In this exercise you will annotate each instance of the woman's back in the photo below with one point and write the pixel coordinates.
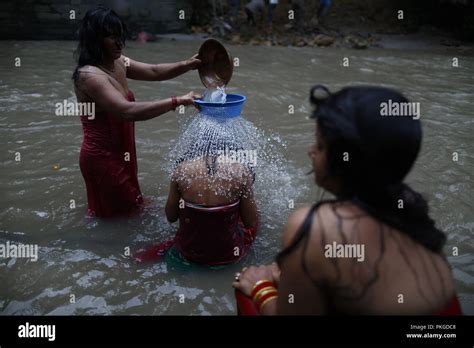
(217, 213)
(224, 186)
(368, 267)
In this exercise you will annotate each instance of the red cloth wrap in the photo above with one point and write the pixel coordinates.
(108, 163)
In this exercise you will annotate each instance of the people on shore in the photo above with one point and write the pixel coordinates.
(108, 159)
(254, 11)
(372, 249)
(272, 5)
(299, 10)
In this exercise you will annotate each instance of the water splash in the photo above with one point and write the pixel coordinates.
(226, 151)
(215, 95)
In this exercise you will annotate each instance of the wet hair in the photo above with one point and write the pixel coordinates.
(381, 150)
(209, 145)
(97, 24)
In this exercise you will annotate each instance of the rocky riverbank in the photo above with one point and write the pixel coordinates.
(349, 23)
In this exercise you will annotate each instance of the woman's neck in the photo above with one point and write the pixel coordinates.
(108, 64)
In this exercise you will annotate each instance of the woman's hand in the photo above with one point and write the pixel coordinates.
(249, 276)
(188, 99)
(192, 63)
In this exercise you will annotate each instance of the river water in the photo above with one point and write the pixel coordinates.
(85, 258)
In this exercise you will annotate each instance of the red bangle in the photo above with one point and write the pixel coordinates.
(174, 102)
(265, 299)
(259, 286)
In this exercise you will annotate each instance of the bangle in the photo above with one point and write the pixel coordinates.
(264, 302)
(262, 293)
(261, 284)
(174, 102)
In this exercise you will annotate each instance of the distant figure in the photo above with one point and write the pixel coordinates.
(323, 9)
(271, 7)
(298, 8)
(253, 9)
(234, 8)
(143, 36)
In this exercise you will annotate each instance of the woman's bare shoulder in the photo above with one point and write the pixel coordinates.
(87, 71)
(326, 218)
(296, 219)
(91, 77)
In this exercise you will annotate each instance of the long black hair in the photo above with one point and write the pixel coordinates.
(370, 155)
(98, 23)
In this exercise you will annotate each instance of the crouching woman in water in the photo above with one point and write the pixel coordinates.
(373, 249)
(213, 199)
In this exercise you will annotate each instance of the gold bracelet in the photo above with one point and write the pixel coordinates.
(265, 293)
(266, 301)
(261, 292)
(263, 283)
(260, 282)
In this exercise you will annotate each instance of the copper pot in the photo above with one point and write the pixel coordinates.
(216, 64)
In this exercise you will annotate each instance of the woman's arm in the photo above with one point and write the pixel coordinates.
(172, 204)
(297, 295)
(158, 72)
(251, 275)
(104, 94)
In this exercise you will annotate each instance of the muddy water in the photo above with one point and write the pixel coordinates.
(85, 258)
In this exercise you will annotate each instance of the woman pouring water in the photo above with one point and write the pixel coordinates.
(108, 159)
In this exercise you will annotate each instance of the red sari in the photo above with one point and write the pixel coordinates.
(213, 235)
(108, 163)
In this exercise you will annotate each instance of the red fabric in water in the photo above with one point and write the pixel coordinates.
(154, 253)
(111, 181)
(210, 236)
(245, 305)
